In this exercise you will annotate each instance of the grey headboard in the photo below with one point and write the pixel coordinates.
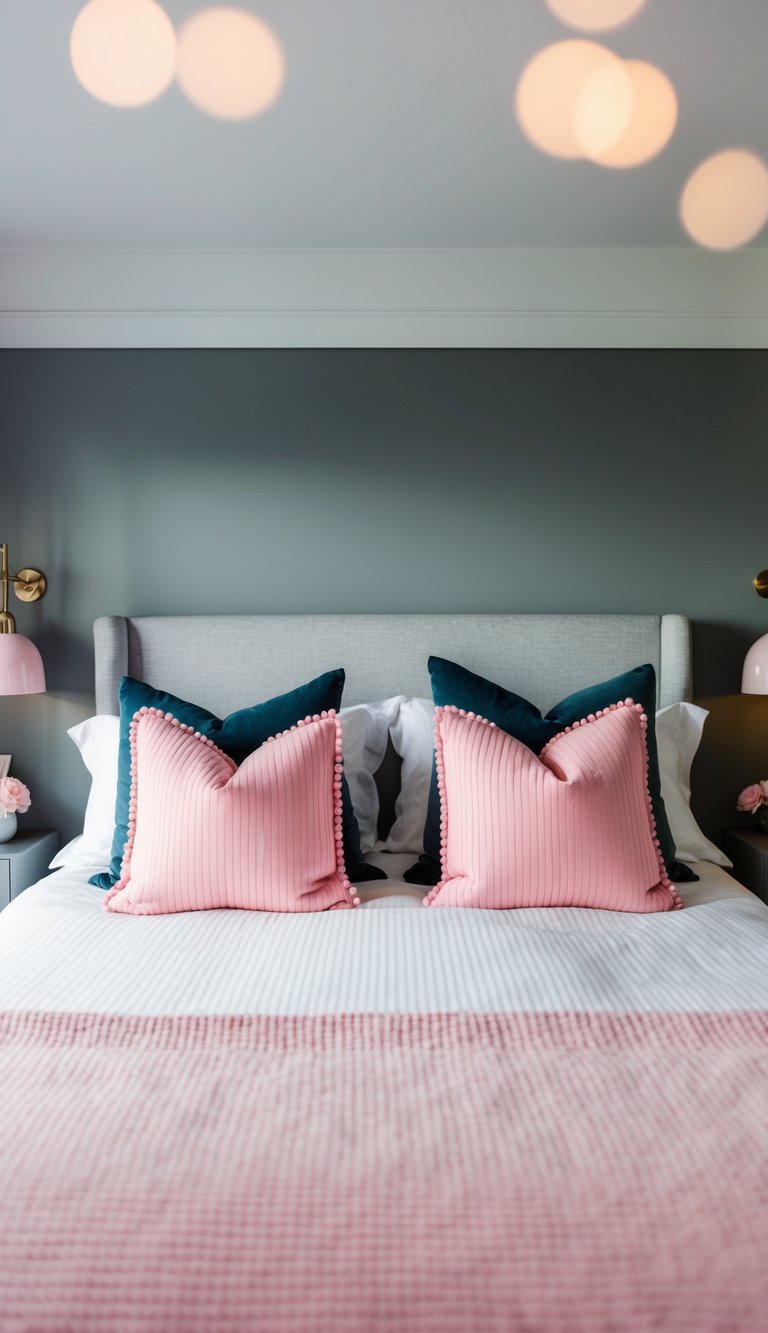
(229, 662)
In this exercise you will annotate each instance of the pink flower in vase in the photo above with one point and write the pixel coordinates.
(14, 796)
(753, 797)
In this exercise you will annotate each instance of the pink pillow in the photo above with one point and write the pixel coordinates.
(572, 827)
(204, 833)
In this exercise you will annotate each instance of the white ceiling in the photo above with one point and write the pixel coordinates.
(394, 129)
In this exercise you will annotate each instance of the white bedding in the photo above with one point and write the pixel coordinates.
(60, 951)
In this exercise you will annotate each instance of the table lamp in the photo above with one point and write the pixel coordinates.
(21, 666)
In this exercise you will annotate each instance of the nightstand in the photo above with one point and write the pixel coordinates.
(23, 861)
(748, 849)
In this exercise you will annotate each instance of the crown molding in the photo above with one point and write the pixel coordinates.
(383, 298)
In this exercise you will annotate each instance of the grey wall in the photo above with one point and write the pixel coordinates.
(198, 481)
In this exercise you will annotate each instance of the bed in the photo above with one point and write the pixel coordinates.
(389, 1118)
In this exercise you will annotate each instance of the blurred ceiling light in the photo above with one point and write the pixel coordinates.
(725, 201)
(650, 125)
(229, 63)
(571, 94)
(123, 51)
(595, 15)
(603, 108)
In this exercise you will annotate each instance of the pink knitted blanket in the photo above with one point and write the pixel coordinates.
(431, 1174)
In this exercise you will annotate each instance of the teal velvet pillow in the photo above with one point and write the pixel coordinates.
(453, 684)
(237, 735)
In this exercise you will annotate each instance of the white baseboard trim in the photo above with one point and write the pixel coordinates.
(383, 298)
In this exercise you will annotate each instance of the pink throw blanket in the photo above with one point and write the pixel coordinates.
(430, 1174)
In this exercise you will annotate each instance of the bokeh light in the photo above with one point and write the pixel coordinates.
(725, 201)
(595, 15)
(123, 51)
(572, 93)
(229, 63)
(651, 122)
(603, 108)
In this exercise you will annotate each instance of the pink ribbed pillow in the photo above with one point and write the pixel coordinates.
(204, 833)
(572, 827)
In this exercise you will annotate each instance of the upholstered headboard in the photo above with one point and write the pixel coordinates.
(228, 662)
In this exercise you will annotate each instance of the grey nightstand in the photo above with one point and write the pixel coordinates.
(748, 849)
(24, 860)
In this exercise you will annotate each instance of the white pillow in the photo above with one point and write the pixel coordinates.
(413, 737)
(97, 739)
(366, 731)
(364, 742)
(678, 735)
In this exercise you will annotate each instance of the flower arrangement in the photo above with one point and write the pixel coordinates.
(14, 796)
(753, 797)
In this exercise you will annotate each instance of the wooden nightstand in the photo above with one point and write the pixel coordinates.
(23, 861)
(748, 849)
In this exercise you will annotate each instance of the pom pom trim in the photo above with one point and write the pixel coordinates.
(664, 881)
(352, 900)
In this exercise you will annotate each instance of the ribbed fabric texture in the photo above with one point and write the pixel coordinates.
(572, 827)
(59, 950)
(204, 833)
(393, 1174)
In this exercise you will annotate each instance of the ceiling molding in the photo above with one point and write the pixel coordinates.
(383, 298)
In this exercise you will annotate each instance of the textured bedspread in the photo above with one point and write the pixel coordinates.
(60, 950)
(519, 1172)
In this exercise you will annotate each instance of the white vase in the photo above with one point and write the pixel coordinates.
(7, 826)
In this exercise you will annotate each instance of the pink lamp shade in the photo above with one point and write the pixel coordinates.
(754, 678)
(21, 666)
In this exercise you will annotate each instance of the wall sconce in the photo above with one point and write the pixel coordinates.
(21, 666)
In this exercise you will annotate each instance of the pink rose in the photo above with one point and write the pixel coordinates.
(14, 796)
(751, 798)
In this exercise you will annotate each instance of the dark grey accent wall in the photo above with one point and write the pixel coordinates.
(148, 482)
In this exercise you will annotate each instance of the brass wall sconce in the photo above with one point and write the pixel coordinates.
(29, 586)
(760, 583)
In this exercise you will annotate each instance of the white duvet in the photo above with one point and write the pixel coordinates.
(59, 950)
